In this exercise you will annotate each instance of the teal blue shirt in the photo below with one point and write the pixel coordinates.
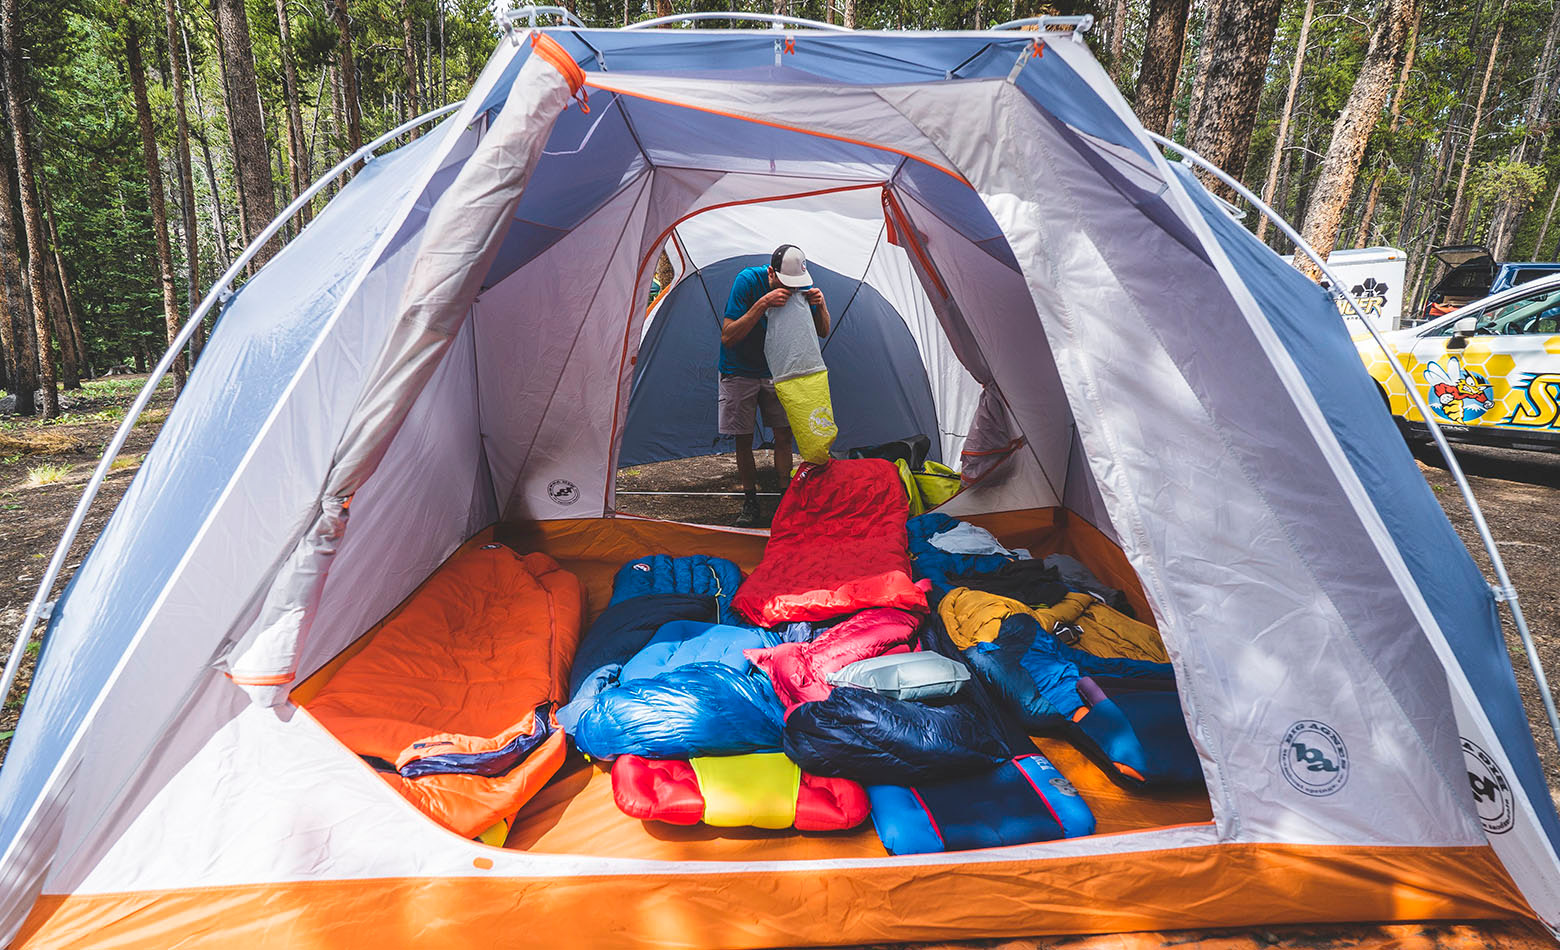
(746, 356)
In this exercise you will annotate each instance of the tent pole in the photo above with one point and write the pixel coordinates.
(1502, 589)
(777, 20)
(40, 608)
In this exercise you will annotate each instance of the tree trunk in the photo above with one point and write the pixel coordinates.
(143, 114)
(1458, 219)
(1161, 62)
(1238, 40)
(1199, 78)
(294, 114)
(1397, 113)
(1352, 132)
(20, 342)
(1118, 30)
(408, 64)
(349, 87)
(32, 222)
(218, 215)
(242, 96)
(173, 23)
(1282, 138)
(1504, 225)
(850, 14)
(69, 322)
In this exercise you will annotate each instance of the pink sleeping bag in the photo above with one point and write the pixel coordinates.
(798, 670)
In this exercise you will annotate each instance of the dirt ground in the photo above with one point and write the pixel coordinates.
(43, 468)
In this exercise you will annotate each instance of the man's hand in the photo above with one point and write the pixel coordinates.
(814, 297)
(775, 298)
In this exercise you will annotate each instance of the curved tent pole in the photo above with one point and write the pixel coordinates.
(1503, 589)
(1077, 24)
(219, 293)
(509, 18)
(777, 19)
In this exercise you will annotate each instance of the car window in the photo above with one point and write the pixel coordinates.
(1523, 276)
(1534, 313)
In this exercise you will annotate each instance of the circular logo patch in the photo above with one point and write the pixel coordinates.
(1064, 787)
(563, 492)
(1313, 758)
(1491, 792)
(820, 422)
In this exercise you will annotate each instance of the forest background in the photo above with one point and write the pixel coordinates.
(143, 143)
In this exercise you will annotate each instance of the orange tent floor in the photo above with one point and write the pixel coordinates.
(575, 814)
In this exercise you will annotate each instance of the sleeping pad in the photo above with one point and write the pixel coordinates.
(688, 692)
(762, 790)
(799, 670)
(837, 545)
(796, 365)
(1123, 714)
(872, 739)
(1022, 800)
(697, 574)
(973, 616)
(451, 697)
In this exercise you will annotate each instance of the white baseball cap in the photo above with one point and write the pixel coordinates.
(790, 266)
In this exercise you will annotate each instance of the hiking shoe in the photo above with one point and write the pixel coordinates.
(750, 517)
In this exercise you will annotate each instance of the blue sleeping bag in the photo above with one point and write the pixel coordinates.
(1123, 714)
(697, 574)
(689, 691)
(872, 739)
(1020, 801)
(930, 562)
(696, 710)
(626, 626)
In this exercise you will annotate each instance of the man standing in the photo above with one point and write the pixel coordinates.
(745, 383)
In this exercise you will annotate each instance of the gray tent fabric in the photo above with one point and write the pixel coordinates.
(460, 241)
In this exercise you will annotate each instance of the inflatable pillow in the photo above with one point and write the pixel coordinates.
(763, 790)
(1020, 801)
(916, 677)
(837, 545)
(695, 710)
(798, 670)
(696, 574)
(1123, 714)
(859, 735)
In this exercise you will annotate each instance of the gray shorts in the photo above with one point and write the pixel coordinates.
(738, 395)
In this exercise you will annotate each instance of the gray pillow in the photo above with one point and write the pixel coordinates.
(911, 676)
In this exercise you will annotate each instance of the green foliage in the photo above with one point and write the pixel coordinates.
(1513, 181)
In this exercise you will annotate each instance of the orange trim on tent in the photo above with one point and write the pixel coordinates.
(549, 49)
(1231, 885)
(865, 143)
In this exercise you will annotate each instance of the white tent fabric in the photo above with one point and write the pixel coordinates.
(463, 375)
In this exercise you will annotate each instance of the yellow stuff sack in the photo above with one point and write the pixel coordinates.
(740, 790)
(936, 483)
(811, 413)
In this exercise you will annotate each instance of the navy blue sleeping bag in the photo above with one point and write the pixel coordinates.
(697, 574)
(1020, 801)
(872, 739)
(1123, 714)
(929, 562)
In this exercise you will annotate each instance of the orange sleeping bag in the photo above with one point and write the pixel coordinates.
(456, 688)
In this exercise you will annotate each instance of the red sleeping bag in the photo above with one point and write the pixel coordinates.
(838, 545)
(747, 791)
(798, 670)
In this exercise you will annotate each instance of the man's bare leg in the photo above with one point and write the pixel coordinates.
(748, 470)
(783, 457)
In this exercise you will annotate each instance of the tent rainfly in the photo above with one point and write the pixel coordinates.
(460, 339)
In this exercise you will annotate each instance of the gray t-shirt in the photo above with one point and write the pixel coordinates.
(791, 343)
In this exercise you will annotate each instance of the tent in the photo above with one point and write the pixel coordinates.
(451, 344)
